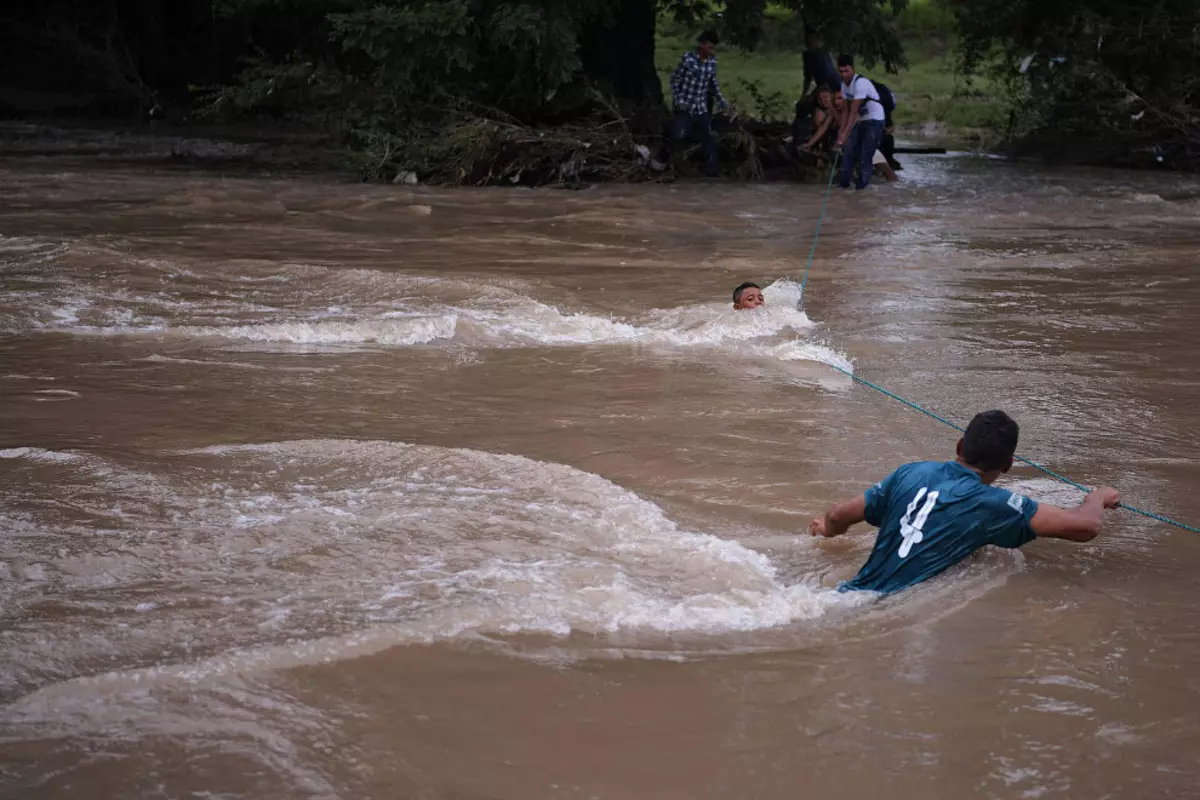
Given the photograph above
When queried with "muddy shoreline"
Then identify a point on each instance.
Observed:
(257, 150)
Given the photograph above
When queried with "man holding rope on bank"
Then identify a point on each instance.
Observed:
(862, 124)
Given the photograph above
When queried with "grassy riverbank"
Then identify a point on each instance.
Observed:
(935, 106)
(934, 102)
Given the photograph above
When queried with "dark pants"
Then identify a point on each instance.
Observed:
(699, 127)
(864, 141)
(887, 145)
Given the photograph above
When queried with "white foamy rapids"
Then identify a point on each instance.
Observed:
(810, 351)
(61, 289)
(415, 330)
(236, 559)
(37, 454)
(509, 319)
(513, 321)
(530, 324)
(89, 289)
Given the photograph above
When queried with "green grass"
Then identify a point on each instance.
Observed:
(928, 91)
(778, 74)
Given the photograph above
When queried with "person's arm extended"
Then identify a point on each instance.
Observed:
(838, 519)
(716, 87)
(826, 119)
(1079, 524)
(849, 118)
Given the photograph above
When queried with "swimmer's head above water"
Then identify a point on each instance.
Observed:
(747, 295)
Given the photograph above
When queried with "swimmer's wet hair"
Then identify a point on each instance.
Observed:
(990, 441)
(737, 293)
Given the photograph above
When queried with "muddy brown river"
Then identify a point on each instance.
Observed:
(314, 489)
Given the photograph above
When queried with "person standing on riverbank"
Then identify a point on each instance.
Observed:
(933, 514)
(693, 88)
(818, 65)
(862, 124)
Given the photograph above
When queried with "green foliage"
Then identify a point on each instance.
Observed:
(930, 90)
(866, 28)
(423, 46)
(1103, 79)
(397, 56)
(294, 88)
(688, 12)
(395, 75)
(927, 22)
(743, 22)
(388, 73)
(763, 104)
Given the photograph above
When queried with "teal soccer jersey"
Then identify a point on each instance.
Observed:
(931, 515)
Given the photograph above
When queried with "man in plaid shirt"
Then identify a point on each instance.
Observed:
(693, 83)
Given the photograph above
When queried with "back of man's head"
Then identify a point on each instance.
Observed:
(845, 60)
(990, 441)
(710, 36)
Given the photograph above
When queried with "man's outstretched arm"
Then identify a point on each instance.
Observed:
(838, 519)
(1079, 524)
(849, 119)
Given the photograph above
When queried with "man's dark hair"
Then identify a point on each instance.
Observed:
(709, 36)
(845, 60)
(990, 441)
(737, 293)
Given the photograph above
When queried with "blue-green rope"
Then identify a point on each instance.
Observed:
(927, 412)
(1033, 464)
(824, 205)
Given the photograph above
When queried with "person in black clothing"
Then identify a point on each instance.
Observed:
(818, 65)
(887, 144)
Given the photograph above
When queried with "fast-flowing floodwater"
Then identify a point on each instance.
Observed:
(310, 489)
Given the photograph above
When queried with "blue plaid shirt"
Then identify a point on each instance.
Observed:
(691, 82)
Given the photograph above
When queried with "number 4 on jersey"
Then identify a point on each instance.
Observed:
(912, 529)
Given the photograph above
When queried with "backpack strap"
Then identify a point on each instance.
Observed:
(876, 98)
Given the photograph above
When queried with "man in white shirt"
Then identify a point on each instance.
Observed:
(862, 124)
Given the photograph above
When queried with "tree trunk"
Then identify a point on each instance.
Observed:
(618, 53)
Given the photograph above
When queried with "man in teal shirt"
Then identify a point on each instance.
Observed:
(933, 514)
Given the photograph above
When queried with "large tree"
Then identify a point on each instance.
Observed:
(512, 55)
(862, 27)
(439, 86)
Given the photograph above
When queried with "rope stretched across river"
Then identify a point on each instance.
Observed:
(941, 419)
(824, 205)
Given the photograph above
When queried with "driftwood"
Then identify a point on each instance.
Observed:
(482, 151)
